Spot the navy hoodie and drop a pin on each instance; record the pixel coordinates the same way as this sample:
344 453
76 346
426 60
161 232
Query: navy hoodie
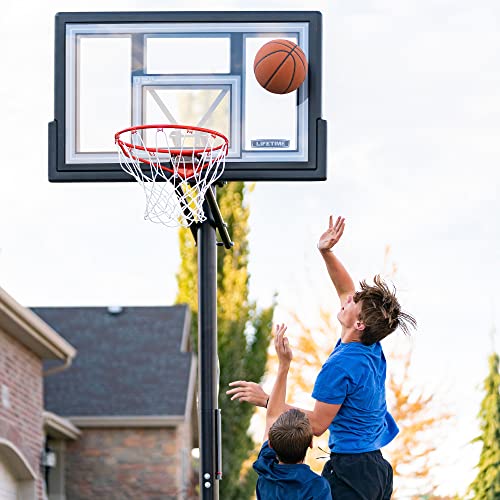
287 481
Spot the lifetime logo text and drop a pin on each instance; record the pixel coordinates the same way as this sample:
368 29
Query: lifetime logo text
270 143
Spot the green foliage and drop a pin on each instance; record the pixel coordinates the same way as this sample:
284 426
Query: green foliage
486 485
244 333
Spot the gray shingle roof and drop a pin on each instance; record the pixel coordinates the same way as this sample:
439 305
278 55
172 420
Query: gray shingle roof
128 364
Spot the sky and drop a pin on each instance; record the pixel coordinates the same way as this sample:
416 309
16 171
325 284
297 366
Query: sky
411 96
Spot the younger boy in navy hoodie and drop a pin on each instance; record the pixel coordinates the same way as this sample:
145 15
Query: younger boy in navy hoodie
280 466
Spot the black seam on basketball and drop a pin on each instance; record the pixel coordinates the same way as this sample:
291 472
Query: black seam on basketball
278 68
293 46
300 53
267 55
304 62
284 43
293 72
293 75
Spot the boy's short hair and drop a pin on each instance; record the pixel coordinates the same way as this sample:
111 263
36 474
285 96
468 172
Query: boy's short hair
380 312
290 436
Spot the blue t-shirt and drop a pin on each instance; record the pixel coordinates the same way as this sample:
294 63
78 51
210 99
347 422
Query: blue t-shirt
354 377
287 481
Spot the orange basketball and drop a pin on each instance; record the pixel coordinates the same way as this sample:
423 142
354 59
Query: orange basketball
280 66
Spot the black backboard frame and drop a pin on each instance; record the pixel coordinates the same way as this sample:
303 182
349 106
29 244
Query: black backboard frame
315 169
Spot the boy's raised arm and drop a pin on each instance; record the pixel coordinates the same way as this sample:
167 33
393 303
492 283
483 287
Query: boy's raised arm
320 417
338 274
277 400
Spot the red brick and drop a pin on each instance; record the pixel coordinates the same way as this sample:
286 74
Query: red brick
22 423
143 468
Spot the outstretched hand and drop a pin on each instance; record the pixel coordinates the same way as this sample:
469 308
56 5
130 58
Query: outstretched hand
285 354
252 393
249 392
332 235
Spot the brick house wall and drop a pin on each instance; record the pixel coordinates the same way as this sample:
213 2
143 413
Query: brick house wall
187 477
22 423
127 463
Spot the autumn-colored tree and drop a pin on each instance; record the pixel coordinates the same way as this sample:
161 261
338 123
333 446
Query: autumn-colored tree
243 334
412 453
486 485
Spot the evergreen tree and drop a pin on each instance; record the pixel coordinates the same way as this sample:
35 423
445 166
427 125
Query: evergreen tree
243 334
486 485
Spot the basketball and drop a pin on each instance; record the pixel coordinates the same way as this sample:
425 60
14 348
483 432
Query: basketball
280 66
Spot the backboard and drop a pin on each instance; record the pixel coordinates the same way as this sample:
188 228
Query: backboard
114 70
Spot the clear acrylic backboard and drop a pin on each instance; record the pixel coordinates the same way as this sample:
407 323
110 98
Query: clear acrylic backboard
115 70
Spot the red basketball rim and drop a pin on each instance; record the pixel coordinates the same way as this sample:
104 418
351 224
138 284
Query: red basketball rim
188 169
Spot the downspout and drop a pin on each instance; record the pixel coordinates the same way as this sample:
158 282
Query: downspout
58 368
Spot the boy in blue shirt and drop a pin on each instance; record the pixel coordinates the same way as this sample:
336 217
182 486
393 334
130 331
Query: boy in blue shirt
350 388
280 465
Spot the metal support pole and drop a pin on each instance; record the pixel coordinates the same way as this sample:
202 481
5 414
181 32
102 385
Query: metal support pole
208 379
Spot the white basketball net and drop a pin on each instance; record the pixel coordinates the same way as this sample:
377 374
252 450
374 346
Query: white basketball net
175 169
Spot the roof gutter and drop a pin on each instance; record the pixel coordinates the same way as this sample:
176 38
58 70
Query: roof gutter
85 421
59 427
30 330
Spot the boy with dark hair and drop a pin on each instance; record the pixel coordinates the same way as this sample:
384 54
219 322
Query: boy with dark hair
350 388
280 466
290 437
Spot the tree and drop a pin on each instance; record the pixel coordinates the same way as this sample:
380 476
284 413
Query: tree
486 485
244 333
412 453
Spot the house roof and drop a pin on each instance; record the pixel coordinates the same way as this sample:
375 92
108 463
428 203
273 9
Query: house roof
131 362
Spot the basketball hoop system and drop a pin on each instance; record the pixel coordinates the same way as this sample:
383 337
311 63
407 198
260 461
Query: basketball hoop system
175 165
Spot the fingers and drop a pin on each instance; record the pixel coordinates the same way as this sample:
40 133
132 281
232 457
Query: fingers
279 337
242 396
281 344
244 391
242 385
233 391
341 229
240 382
239 387
335 230
250 392
339 223
246 400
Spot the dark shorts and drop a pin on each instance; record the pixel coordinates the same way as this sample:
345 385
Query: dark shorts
359 476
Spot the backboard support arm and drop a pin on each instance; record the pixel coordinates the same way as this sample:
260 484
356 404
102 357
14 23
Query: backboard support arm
216 220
